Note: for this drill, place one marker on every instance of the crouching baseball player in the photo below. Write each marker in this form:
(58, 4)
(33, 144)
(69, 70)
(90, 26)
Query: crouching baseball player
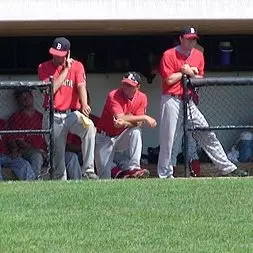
(118, 129)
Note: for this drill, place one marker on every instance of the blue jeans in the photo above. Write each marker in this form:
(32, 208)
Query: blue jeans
(20, 167)
(36, 160)
(245, 150)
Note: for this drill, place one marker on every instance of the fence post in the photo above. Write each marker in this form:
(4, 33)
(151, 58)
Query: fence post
(51, 125)
(185, 125)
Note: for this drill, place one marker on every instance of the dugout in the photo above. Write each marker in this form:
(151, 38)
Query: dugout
(121, 36)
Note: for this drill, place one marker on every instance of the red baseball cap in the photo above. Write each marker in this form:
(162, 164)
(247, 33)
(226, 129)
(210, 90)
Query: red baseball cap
(189, 32)
(60, 46)
(131, 78)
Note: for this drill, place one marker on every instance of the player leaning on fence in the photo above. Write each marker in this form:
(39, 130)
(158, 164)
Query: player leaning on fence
(70, 104)
(180, 60)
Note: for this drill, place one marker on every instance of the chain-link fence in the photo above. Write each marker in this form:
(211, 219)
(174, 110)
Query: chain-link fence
(226, 104)
(26, 122)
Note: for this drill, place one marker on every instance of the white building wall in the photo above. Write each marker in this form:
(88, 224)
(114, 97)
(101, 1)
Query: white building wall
(100, 84)
(15, 10)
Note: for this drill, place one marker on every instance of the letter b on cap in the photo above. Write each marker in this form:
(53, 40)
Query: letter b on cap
(58, 46)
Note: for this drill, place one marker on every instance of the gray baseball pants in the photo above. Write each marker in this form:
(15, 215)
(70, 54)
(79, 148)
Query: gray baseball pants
(106, 147)
(192, 149)
(70, 122)
(171, 131)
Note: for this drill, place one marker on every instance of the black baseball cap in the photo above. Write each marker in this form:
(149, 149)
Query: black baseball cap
(60, 46)
(189, 32)
(131, 78)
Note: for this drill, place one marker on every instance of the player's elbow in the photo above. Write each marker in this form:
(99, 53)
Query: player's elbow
(81, 86)
(170, 81)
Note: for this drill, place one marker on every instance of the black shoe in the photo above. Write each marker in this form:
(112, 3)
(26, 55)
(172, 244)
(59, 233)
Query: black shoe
(237, 173)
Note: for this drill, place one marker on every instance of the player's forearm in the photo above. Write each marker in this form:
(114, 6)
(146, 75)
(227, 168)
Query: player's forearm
(83, 95)
(119, 123)
(174, 78)
(133, 119)
(59, 81)
(137, 124)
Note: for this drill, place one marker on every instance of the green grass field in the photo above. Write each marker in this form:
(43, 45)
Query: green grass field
(184, 215)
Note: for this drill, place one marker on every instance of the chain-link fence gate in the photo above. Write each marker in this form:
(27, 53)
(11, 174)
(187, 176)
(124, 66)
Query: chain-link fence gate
(226, 103)
(28, 127)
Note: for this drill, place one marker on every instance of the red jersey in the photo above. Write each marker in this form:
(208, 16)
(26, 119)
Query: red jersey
(67, 96)
(172, 61)
(3, 149)
(117, 103)
(21, 121)
(73, 139)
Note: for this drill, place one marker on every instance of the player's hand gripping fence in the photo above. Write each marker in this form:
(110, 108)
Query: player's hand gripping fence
(8, 107)
(226, 103)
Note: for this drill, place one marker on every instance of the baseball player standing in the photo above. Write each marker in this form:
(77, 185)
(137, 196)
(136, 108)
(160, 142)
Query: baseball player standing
(70, 102)
(118, 129)
(175, 62)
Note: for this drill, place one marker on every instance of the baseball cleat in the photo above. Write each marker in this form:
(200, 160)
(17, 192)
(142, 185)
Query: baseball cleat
(139, 173)
(90, 175)
(237, 173)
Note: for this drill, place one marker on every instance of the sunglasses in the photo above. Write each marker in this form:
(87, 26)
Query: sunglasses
(131, 77)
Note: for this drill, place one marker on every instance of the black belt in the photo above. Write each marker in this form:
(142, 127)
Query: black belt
(104, 133)
(177, 96)
(65, 111)
(181, 97)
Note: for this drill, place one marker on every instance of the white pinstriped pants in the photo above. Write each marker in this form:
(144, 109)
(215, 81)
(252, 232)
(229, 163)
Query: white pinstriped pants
(171, 132)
